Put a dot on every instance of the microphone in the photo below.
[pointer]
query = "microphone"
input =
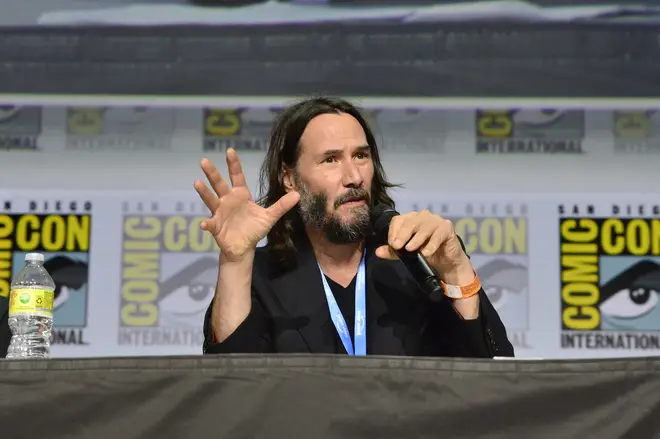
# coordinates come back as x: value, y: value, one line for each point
x: 417, y: 266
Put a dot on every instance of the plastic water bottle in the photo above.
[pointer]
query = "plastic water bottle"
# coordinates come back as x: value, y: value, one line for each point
x: 31, y: 310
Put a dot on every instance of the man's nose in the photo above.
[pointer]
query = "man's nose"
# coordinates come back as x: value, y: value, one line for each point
x: 352, y: 175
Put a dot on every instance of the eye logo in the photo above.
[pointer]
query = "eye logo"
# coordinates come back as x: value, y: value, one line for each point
x: 502, y: 279
x: 69, y: 274
x: 630, y: 299
x: 188, y: 291
x: 8, y: 111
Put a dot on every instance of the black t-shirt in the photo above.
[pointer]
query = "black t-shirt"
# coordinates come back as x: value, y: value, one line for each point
x: 345, y: 298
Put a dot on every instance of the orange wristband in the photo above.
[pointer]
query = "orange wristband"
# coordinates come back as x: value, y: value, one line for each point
x: 462, y: 291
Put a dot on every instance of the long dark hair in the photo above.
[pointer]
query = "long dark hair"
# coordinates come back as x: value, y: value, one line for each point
x: 283, y: 153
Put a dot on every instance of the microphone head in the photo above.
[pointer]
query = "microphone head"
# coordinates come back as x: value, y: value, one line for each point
x: 381, y: 216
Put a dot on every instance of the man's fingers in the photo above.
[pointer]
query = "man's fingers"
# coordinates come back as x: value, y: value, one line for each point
x: 209, y: 199
x: 421, y: 236
x: 405, y: 229
x: 395, y: 225
x: 435, y: 241
x: 235, y: 169
x: 214, y: 177
x: 209, y: 226
x: 386, y: 252
x: 283, y: 205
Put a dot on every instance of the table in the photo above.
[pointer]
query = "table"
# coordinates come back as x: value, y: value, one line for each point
x: 327, y: 396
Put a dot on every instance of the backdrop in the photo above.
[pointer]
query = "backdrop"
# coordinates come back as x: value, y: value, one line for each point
x: 559, y: 210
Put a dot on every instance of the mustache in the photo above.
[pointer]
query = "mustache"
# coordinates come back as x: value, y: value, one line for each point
x: 354, y: 194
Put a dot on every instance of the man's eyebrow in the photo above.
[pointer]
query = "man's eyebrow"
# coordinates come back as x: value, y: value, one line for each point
x: 332, y: 151
x: 328, y: 152
x: 336, y: 151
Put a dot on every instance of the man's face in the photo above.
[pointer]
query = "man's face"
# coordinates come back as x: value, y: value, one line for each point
x: 334, y: 176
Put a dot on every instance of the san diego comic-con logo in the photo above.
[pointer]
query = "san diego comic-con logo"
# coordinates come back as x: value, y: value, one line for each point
x: 551, y: 131
x: 496, y: 239
x: 61, y: 231
x: 636, y: 132
x: 119, y: 128
x: 169, y: 272
x: 20, y: 127
x: 245, y: 128
x: 610, y: 277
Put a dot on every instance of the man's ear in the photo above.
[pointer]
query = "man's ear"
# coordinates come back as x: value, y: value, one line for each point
x: 287, y: 179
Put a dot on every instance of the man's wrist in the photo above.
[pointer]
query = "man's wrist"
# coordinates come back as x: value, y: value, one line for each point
x: 462, y: 274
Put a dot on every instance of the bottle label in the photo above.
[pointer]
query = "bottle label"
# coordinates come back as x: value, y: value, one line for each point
x: 27, y: 301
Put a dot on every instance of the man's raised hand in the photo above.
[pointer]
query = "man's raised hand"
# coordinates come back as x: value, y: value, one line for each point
x: 237, y: 222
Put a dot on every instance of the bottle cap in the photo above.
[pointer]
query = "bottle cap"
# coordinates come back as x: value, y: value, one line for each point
x: 34, y: 257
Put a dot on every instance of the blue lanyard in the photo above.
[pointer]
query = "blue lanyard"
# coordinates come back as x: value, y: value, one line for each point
x: 360, y: 313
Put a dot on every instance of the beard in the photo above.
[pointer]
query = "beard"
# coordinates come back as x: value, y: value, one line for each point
x: 313, y: 211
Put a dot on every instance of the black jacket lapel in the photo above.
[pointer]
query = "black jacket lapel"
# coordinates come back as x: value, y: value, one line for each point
x: 385, y: 334
x: 300, y: 292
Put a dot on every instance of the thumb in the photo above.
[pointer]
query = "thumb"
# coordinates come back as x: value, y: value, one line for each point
x: 283, y: 205
x: 386, y: 252
x: 209, y: 226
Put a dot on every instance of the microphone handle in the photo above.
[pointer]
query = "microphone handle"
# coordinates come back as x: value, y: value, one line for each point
x: 422, y: 273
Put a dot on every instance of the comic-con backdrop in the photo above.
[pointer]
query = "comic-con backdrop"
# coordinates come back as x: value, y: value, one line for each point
x: 573, y: 273
x: 570, y: 276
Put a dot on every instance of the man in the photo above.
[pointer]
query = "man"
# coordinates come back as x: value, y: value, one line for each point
x: 5, y: 332
x: 323, y: 269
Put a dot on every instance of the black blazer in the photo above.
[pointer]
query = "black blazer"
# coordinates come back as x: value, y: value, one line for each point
x: 5, y: 332
x: 289, y: 314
